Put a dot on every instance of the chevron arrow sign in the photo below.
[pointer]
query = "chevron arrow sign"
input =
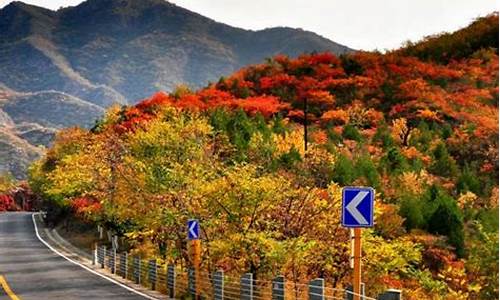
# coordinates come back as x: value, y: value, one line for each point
x: 357, y: 207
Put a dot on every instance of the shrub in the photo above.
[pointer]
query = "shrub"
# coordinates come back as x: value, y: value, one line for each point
x: 7, y: 203
x: 444, y: 217
x: 447, y: 220
x: 394, y: 161
x: 344, y: 172
x: 444, y: 164
x: 351, y: 132
x: 412, y: 210
x: 468, y: 181
x: 366, y: 168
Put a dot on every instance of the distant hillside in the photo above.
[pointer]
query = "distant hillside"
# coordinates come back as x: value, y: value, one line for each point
x: 481, y: 34
x: 106, y: 51
x: 61, y: 68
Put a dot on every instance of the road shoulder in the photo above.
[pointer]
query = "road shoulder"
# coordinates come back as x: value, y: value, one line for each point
x: 69, y: 252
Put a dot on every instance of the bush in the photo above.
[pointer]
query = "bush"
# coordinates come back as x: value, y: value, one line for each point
x: 437, y: 213
x: 289, y: 159
x: 447, y: 220
x: 412, y: 210
x: 7, y: 203
x: 468, y: 181
x: 444, y: 164
x: 383, y: 136
x: 366, y: 168
x: 394, y: 161
x: 344, y: 172
x: 350, y: 132
x: 444, y: 217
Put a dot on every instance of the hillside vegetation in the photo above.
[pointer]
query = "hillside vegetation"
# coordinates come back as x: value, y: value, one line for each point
x: 424, y: 134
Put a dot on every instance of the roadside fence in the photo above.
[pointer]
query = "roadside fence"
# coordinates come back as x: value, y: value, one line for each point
x: 178, y: 283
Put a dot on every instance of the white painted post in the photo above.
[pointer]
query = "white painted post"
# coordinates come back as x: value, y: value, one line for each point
x: 94, y: 255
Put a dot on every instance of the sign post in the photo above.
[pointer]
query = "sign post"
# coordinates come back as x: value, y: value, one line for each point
x: 357, y: 212
x: 193, y: 228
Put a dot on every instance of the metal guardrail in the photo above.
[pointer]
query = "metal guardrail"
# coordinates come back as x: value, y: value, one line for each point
x: 176, y: 283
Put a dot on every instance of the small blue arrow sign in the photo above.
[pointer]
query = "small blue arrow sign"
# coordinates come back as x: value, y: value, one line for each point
x: 357, y: 206
x: 193, y: 227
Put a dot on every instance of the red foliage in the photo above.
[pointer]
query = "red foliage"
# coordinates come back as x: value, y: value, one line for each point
x: 7, y: 203
x: 414, y: 88
x: 152, y: 104
x: 83, y: 206
x: 265, y: 105
x: 277, y: 81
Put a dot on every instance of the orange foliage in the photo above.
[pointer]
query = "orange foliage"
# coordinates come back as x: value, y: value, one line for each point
x: 337, y: 117
x: 428, y: 114
x: 319, y: 137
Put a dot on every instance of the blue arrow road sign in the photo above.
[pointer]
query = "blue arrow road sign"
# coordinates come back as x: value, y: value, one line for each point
x: 193, y: 229
x: 357, y: 206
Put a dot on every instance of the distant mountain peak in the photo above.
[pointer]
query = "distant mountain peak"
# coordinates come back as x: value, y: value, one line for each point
x: 105, y: 52
x: 16, y: 7
x: 18, y: 20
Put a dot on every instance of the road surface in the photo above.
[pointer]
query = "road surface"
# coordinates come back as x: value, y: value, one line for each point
x: 32, y: 271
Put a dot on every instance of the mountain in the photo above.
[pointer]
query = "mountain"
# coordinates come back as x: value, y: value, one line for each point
x: 62, y: 68
x: 481, y: 34
x: 106, y: 51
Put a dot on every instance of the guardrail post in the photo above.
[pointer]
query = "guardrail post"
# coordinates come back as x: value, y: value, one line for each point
x: 391, y: 294
x: 124, y: 264
x: 278, y: 288
x: 317, y: 289
x: 152, y: 273
x: 103, y: 256
x: 192, y: 282
x: 218, y: 284
x: 171, y: 281
x: 349, y: 294
x: 113, y: 257
x: 246, y: 286
x: 94, y: 255
x: 137, y: 269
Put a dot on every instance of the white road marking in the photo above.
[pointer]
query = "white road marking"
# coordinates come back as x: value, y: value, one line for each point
x: 85, y: 267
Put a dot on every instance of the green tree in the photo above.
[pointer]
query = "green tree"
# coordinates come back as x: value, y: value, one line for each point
x: 366, y: 168
x: 444, y: 164
x: 468, y: 181
x: 394, y: 161
x: 445, y: 218
x: 344, y: 172
x: 351, y: 132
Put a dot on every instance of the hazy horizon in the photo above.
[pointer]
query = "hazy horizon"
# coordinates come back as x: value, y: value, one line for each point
x: 356, y: 24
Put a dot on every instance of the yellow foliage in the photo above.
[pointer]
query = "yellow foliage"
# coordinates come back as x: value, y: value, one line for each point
x: 290, y: 140
x: 399, y: 130
x: 467, y: 200
x: 414, y: 182
x: 6, y: 183
x: 428, y: 114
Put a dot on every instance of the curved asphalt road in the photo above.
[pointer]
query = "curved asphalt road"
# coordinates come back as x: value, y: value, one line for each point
x: 35, y: 272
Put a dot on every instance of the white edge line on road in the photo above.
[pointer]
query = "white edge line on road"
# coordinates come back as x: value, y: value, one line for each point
x: 85, y: 267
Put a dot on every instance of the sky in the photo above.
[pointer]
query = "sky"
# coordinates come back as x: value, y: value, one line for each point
x: 359, y: 24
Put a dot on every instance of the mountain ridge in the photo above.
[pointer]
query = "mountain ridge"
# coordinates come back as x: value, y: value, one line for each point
x: 105, y: 52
